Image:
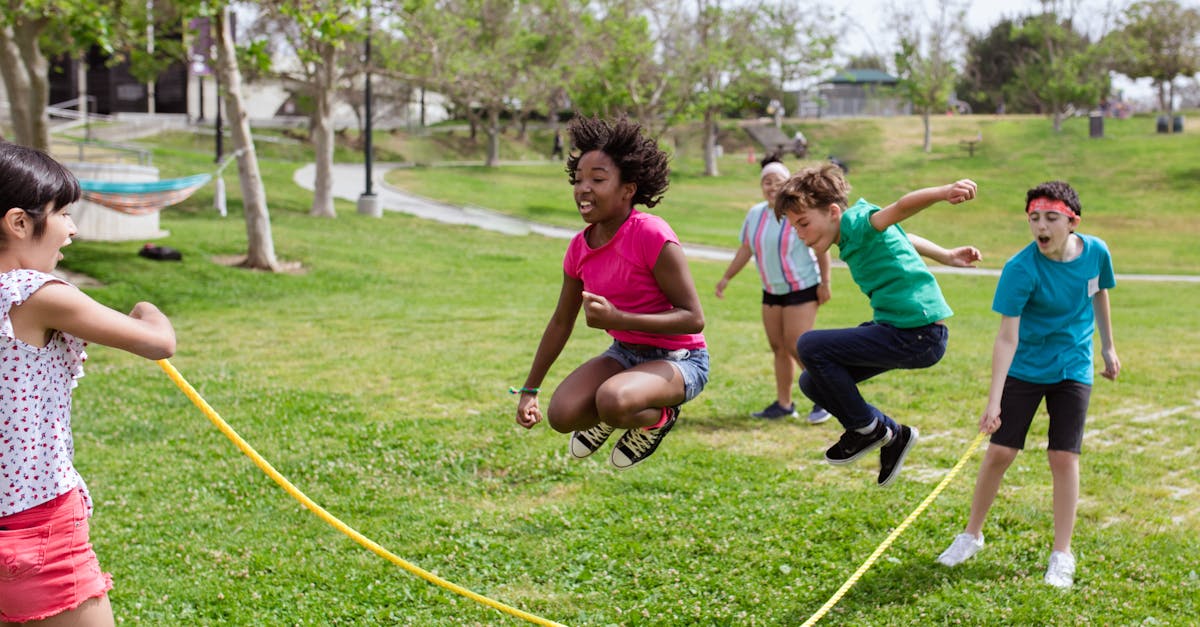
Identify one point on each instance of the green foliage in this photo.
(1159, 41)
(1063, 70)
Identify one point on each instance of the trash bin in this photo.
(1163, 124)
(1096, 124)
(1177, 124)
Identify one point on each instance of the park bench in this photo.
(970, 143)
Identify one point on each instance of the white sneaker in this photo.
(964, 546)
(1061, 572)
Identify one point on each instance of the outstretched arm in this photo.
(960, 257)
(145, 331)
(913, 202)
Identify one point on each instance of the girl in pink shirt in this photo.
(628, 273)
(47, 566)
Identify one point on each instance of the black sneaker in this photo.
(853, 444)
(775, 411)
(891, 456)
(588, 441)
(637, 444)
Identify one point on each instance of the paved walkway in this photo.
(349, 182)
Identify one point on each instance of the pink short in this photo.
(47, 565)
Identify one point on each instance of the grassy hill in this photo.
(1138, 188)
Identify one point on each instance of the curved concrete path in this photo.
(349, 182)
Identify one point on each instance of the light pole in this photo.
(368, 202)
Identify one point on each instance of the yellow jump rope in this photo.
(375, 548)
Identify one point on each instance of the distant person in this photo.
(795, 281)
(628, 273)
(1052, 297)
(799, 145)
(907, 329)
(557, 152)
(48, 570)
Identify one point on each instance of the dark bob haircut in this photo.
(30, 180)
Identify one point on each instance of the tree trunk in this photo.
(260, 253)
(16, 83)
(710, 143)
(322, 136)
(493, 136)
(925, 119)
(20, 57)
(1058, 119)
(25, 34)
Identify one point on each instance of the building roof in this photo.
(863, 76)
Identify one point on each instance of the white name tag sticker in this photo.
(1093, 286)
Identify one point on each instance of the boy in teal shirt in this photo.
(1052, 297)
(907, 329)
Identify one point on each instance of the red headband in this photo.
(1047, 204)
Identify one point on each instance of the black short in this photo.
(799, 297)
(1066, 404)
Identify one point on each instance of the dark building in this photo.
(114, 90)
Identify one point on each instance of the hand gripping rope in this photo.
(837, 596)
(321, 513)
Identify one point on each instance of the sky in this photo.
(868, 31)
(869, 18)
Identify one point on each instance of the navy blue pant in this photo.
(836, 360)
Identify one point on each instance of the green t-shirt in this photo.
(889, 271)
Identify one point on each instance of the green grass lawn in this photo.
(376, 381)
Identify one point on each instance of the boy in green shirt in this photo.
(907, 329)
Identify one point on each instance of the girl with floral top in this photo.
(47, 567)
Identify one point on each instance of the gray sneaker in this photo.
(588, 441)
(817, 415)
(775, 411)
(962, 549)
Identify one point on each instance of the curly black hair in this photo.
(1055, 190)
(638, 158)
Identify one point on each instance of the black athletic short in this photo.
(798, 297)
(1066, 404)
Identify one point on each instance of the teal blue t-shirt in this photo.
(1054, 301)
(889, 271)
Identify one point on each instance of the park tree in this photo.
(486, 56)
(1062, 70)
(795, 41)
(260, 246)
(32, 32)
(990, 67)
(925, 59)
(725, 63)
(631, 62)
(319, 39)
(1159, 41)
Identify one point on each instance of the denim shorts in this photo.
(692, 364)
(47, 565)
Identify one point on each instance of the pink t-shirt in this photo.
(37, 451)
(622, 270)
